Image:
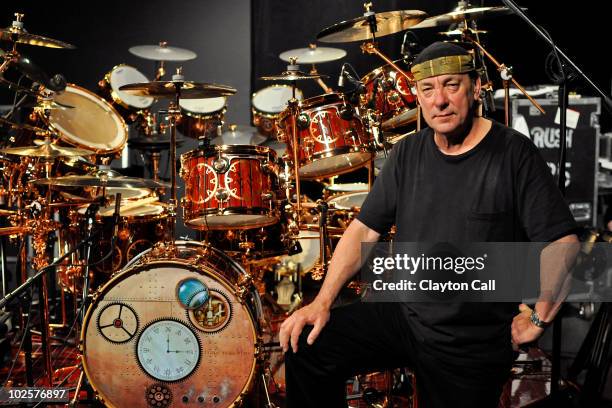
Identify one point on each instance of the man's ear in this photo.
(477, 86)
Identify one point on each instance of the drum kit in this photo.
(189, 321)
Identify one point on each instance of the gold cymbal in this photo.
(292, 75)
(188, 89)
(313, 54)
(358, 29)
(458, 16)
(47, 150)
(101, 179)
(16, 33)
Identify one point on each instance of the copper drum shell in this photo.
(231, 187)
(328, 144)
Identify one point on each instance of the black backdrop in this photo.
(577, 28)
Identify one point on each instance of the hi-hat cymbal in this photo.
(16, 33)
(239, 135)
(358, 29)
(162, 52)
(458, 16)
(21, 126)
(47, 150)
(292, 75)
(313, 54)
(188, 89)
(101, 179)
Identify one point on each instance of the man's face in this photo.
(447, 102)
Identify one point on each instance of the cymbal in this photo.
(188, 89)
(6, 213)
(452, 33)
(162, 52)
(404, 118)
(47, 104)
(47, 150)
(458, 16)
(16, 33)
(21, 126)
(358, 29)
(292, 75)
(101, 179)
(313, 54)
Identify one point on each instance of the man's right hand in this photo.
(316, 314)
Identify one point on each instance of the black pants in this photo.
(365, 337)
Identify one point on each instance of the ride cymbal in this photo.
(162, 52)
(458, 16)
(188, 89)
(313, 54)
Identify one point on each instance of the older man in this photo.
(465, 178)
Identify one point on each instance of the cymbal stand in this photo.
(506, 75)
(160, 69)
(322, 84)
(294, 111)
(320, 270)
(487, 85)
(174, 113)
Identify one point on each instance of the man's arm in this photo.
(344, 264)
(556, 262)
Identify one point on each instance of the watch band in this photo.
(535, 319)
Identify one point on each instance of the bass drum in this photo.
(179, 326)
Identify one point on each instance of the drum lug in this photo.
(243, 289)
(303, 121)
(221, 164)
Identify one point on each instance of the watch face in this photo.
(168, 350)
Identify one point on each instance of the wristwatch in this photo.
(535, 319)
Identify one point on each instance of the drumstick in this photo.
(128, 206)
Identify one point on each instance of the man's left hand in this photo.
(523, 330)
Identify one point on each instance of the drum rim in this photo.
(238, 149)
(113, 111)
(329, 154)
(137, 219)
(266, 213)
(134, 268)
(115, 96)
(298, 93)
(204, 115)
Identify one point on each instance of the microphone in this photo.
(341, 77)
(116, 216)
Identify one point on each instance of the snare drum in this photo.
(390, 93)
(268, 103)
(230, 187)
(331, 137)
(126, 104)
(93, 124)
(201, 117)
(177, 327)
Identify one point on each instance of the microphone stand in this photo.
(564, 62)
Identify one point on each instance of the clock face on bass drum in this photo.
(168, 350)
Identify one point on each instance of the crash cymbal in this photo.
(458, 16)
(292, 75)
(188, 89)
(6, 213)
(162, 52)
(47, 150)
(21, 126)
(101, 179)
(358, 29)
(404, 118)
(16, 33)
(313, 54)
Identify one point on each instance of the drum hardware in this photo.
(23, 126)
(16, 34)
(152, 146)
(505, 73)
(176, 89)
(293, 74)
(371, 48)
(315, 55)
(371, 24)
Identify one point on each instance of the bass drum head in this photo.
(273, 99)
(125, 75)
(93, 123)
(165, 332)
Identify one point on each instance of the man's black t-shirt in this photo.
(499, 191)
